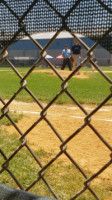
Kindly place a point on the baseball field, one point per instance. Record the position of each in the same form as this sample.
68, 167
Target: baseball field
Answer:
86, 148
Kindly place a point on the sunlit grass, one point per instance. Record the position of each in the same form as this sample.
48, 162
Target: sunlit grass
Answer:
65, 179
45, 87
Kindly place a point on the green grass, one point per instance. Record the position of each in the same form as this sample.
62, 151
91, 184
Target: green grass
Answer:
14, 116
26, 68
64, 178
45, 86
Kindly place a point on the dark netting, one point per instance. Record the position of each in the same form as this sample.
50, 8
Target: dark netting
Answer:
92, 18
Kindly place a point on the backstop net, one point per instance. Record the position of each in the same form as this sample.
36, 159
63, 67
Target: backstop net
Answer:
21, 18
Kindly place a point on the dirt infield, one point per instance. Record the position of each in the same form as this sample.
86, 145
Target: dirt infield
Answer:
86, 148
63, 73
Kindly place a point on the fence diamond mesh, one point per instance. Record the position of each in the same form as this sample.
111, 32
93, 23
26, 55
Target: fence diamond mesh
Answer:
92, 18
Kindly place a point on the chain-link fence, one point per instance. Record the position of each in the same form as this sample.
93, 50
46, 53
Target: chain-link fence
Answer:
92, 18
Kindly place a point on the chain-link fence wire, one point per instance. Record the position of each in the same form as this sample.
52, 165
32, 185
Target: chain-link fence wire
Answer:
92, 18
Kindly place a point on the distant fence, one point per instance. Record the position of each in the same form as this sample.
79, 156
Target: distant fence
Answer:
57, 62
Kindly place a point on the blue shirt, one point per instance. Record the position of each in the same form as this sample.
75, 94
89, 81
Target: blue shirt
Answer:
76, 49
66, 53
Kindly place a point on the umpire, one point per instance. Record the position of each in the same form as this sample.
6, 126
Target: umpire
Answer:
66, 61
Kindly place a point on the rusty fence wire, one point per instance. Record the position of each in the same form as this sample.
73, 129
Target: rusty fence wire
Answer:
91, 18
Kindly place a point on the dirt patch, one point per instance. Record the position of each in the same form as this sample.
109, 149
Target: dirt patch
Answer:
63, 73
85, 147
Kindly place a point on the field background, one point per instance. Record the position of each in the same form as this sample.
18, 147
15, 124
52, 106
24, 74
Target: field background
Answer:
89, 88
